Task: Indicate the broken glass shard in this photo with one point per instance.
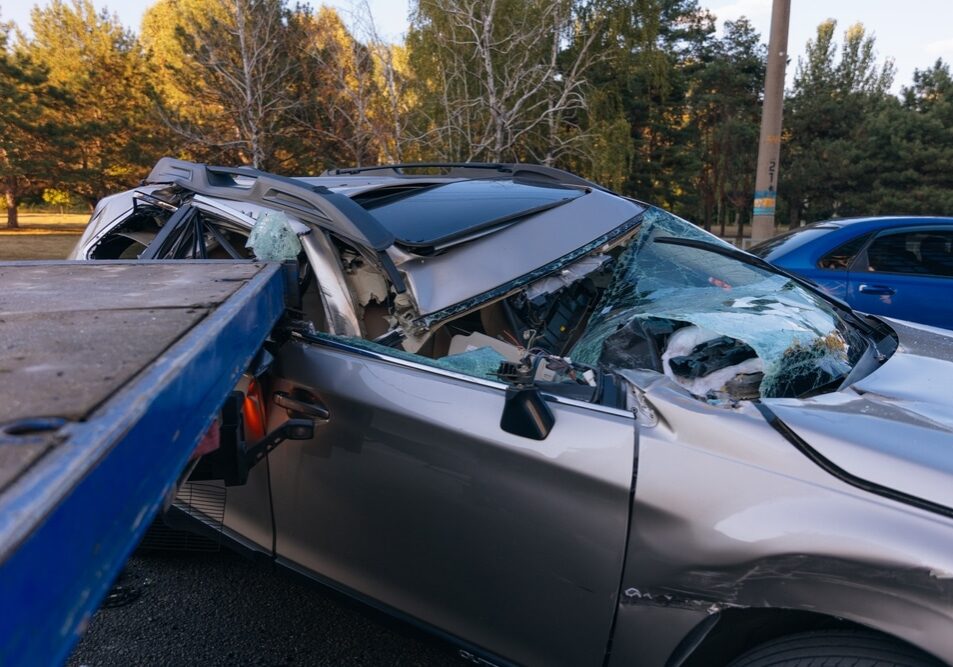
(716, 325)
(273, 238)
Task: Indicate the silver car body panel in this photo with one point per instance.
(109, 212)
(245, 214)
(354, 184)
(512, 252)
(115, 209)
(893, 428)
(413, 495)
(339, 311)
(791, 536)
(503, 256)
(403, 500)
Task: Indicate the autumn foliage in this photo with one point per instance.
(644, 96)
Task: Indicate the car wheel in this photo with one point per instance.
(835, 648)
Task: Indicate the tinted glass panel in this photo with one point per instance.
(452, 210)
(785, 243)
(841, 257)
(914, 253)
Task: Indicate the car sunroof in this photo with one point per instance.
(435, 215)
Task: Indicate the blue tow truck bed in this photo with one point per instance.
(110, 374)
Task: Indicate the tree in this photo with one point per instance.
(726, 109)
(341, 104)
(912, 144)
(393, 102)
(27, 132)
(932, 93)
(496, 79)
(110, 137)
(827, 170)
(355, 102)
(225, 71)
(653, 52)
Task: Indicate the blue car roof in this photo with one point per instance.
(885, 220)
(819, 237)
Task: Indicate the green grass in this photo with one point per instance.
(22, 245)
(41, 235)
(46, 222)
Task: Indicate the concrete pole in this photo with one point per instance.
(769, 149)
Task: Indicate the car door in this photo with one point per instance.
(906, 273)
(830, 270)
(411, 496)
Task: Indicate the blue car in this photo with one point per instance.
(901, 267)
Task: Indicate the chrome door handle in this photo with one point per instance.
(882, 290)
(302, 407)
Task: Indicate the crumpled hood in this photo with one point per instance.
(894, 428)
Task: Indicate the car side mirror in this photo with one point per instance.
(526, 414)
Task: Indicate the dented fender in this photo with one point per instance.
(791, 536)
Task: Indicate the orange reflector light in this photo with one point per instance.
(253, 412)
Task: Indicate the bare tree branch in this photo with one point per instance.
(513, 81)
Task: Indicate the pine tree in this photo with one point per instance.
(827, 171)
(911, 144)
(29, 135)
(112, 135)
(725, 108)
(654, 50)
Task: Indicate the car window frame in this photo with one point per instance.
(499, 385)
(868, 237)
(861, 260)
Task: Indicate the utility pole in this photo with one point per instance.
(769, 148)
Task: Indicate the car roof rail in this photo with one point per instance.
(331, 210)
(475, 170)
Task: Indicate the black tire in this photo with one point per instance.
(835, 648)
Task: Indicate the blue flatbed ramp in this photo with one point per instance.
(110, 374)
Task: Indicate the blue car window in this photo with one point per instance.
(840, 258)
(936, 253)
(913, 253)
(782, 244)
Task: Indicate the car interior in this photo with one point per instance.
(915, 253)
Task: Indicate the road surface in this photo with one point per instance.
(221, 609)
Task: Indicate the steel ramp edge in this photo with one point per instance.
(69, 524)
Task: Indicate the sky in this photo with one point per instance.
(914, 33)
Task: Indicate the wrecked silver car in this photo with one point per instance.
(557, 426)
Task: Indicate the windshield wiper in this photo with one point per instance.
(752, 260)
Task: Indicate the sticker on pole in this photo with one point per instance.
(765, 202)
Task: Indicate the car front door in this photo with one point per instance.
(412, 497)
(907, 274)
(830, 271)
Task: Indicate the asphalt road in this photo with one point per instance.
(220, 609)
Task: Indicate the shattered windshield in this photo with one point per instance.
(721, 328)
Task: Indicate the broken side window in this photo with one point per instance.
(481, 362)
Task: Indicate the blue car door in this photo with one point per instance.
(830, 271)
(906, 274)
